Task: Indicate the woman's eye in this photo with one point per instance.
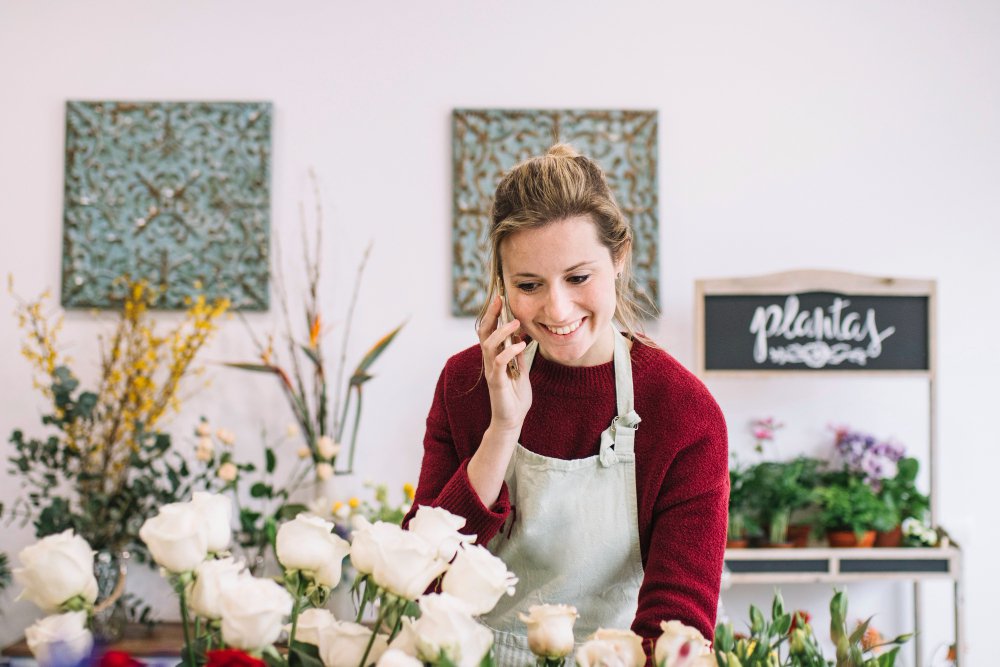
(527, 287)
(579, 280)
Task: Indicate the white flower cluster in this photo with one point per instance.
(917, 530)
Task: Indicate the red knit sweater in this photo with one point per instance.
(681, 449)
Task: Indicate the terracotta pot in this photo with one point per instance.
(798, 535)
(847, 538)
(737, 544)
(890, 538)
(779, 545)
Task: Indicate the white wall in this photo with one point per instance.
(848, 135)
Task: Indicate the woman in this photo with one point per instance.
(598, 473)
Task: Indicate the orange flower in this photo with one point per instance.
(314, 332)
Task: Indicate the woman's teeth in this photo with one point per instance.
(562, 331)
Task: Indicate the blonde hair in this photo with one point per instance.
(558, 185)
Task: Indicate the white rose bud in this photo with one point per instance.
(324, 471)
(678, 643)
(550, 629)
(225, 436)
(312, 623)
(292, 430)
(56, 569)
(405, 564)
(439, 528)
(304, 452)
(627, 644)
(479, 578)
(599, 653)
(60, 640)
(227, 471)
(307, 543)
(326, 447)
(204, 453)
(217, 512)
(396, 658)
(203, 430)
(176, 537)
(446, 625)
(211, 578)
(343, 644)
(252, 612)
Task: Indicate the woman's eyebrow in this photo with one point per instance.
(569, 270)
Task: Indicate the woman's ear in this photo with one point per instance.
(623, 256)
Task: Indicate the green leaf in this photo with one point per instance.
(860, 631)
(782, 624)
(380, 346)
(260, 490)
(756, 620)
(290, 511)
(257, 368)
(304, 655)
(313, 357)
(271, 460)
(777, 606)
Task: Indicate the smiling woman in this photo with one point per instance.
(549, 466)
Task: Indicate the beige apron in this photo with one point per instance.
(573, 534)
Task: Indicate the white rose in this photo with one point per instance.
(252, 612)
(304, 452)
(217, 512)
(678, 644)
(404, 563)
(312, 623)
(343, 644)
(307, 543)
(599, 653)
(60, 640)
(203, 453)
(364, 536)
(176, 537)
(446, 625)
(396, 658)
(550, 629)
(292, 430)
(439, 528)
(627, 644)
(326, 447)
(211, 578)
(203, 430)
(324, 471)
(57, 568)
(225, 436)
(479, 578)
(228, 471)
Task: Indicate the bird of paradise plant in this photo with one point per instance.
(303, 373)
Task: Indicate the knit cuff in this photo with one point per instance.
(458, 497)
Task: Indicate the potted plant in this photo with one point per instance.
(903, 501)
(803, 518)
(742, 520)
(849, 510)
(776, 490)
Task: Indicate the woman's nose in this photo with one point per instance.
(558, 306)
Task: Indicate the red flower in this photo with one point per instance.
(118, 659)
(232, 658)
(795, 619)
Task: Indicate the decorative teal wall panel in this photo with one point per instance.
(488, 142)
(177, 193)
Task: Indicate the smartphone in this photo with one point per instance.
(506, 316)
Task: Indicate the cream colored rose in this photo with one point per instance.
(446, 625)
(253, 611)
(226, 436)
(203, 430)
(397, 658)
(211, 578)
(343, 644)
(550, 629)
(364, 538)
(326, 447)
(627, 644)
(217, 513)
(312, 623)
(439, 528)
(479, 578)
(599, 653)
(679, 644)
(205, 449)
(56, 569)
(324, 471)
(60, 640)
(228, 472)
(307, 543)
(176, 537)
(304, 452)
(404, 564)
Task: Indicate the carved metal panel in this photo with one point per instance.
(488, 142)
(177, 193)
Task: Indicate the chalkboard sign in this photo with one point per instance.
(753, 325)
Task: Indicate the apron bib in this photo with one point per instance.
(573, 534)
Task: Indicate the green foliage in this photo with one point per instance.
(4, 572)
(847, 502)
(901, 497)
(774, 489)
(787, 640)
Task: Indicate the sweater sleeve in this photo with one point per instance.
(688, 539)
(444, 479)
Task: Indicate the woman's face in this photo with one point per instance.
(560, 283)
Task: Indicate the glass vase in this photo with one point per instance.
(109, 612)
